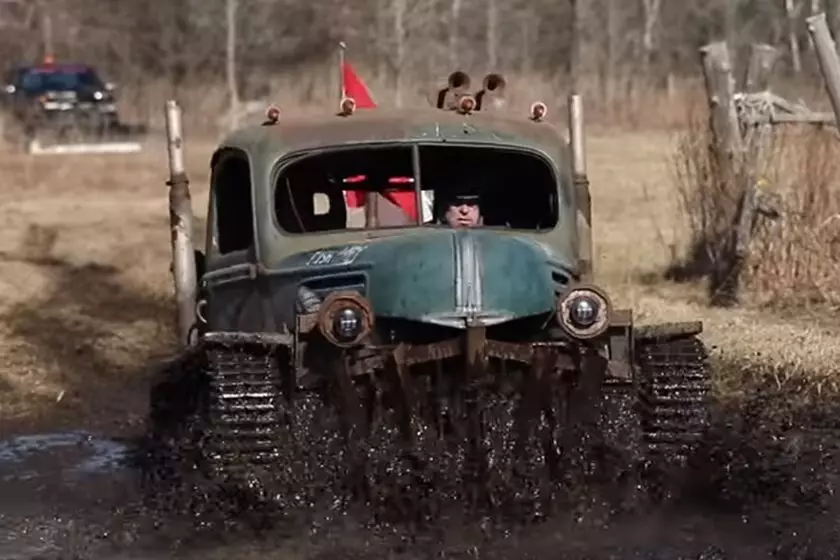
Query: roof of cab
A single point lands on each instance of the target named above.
(384, 125)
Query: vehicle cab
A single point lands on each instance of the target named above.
(359, 203)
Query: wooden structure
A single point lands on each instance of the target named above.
(741, 124)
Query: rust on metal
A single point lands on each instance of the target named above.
(342, 300)
(405, 393)
(621, 318)
(370, 357)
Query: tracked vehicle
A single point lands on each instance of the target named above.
(393, 318)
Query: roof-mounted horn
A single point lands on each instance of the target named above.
(466, 104)
(347, 107)
(272, 115)
(457, 85)
(492, 94)
(538, 111)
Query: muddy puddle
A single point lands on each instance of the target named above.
(760, 488)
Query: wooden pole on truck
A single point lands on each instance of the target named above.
(181, 224)
(342, 48)
(581, 179)
(828, 59)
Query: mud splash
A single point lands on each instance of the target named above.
(74, 454)
(764, 486)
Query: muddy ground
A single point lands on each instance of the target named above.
(86, 297)
(762, 487)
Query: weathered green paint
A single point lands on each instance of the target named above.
(429, 277)
(414, 273)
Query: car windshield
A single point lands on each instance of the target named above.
(39, 80)
(377, 187)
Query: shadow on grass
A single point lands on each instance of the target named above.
(83, 314)
(772, 454)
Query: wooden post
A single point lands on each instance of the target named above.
(720, 88)
(828, 59)
(181, 224)
(581, 178)
(728, 151)
(757, 79)
(763, 58)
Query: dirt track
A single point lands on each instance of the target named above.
(85, 308)
(760, 492)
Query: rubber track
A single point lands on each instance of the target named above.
(246, 408)
(674, 397)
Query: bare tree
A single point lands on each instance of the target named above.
(492, 34)
(399, 8)
(574, 50)
(454, 33)
(232, 84)
(792, 14)
(650, 10)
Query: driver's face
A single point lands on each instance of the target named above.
(463, 215)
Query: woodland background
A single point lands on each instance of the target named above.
(620, 54)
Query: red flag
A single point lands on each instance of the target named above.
(356, 88)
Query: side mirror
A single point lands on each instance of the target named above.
(110, 86)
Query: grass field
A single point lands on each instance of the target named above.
(85, 293)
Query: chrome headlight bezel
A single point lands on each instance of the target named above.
(329, 314)
(603, 313)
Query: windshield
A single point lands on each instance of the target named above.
(456, 186)
(38, 80)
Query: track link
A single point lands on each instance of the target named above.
(246, 407)
(674, 397)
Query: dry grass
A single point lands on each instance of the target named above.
(639, 226)
(86, 296)
(313, 91)
(795, 260)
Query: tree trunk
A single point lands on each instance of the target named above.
(575, 45)
(650, 10)
(793, 40)
(492, 35)
(609, 75)
(232, 85)
(399, 40)
(454, 35)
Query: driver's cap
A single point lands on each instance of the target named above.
(467, 191)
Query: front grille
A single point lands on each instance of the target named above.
(322, 287)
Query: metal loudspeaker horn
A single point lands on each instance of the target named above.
(492, 94)
(456, 87)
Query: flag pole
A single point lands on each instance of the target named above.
(342, 91)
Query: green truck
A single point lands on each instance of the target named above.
(392, 316)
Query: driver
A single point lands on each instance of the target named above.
(462, 208)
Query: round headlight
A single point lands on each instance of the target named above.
(345, 318)
(347, 324)
(584, 312)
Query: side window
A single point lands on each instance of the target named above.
(233, 204)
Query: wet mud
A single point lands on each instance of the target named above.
(762, 486)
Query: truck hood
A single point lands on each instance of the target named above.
(455, 278)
